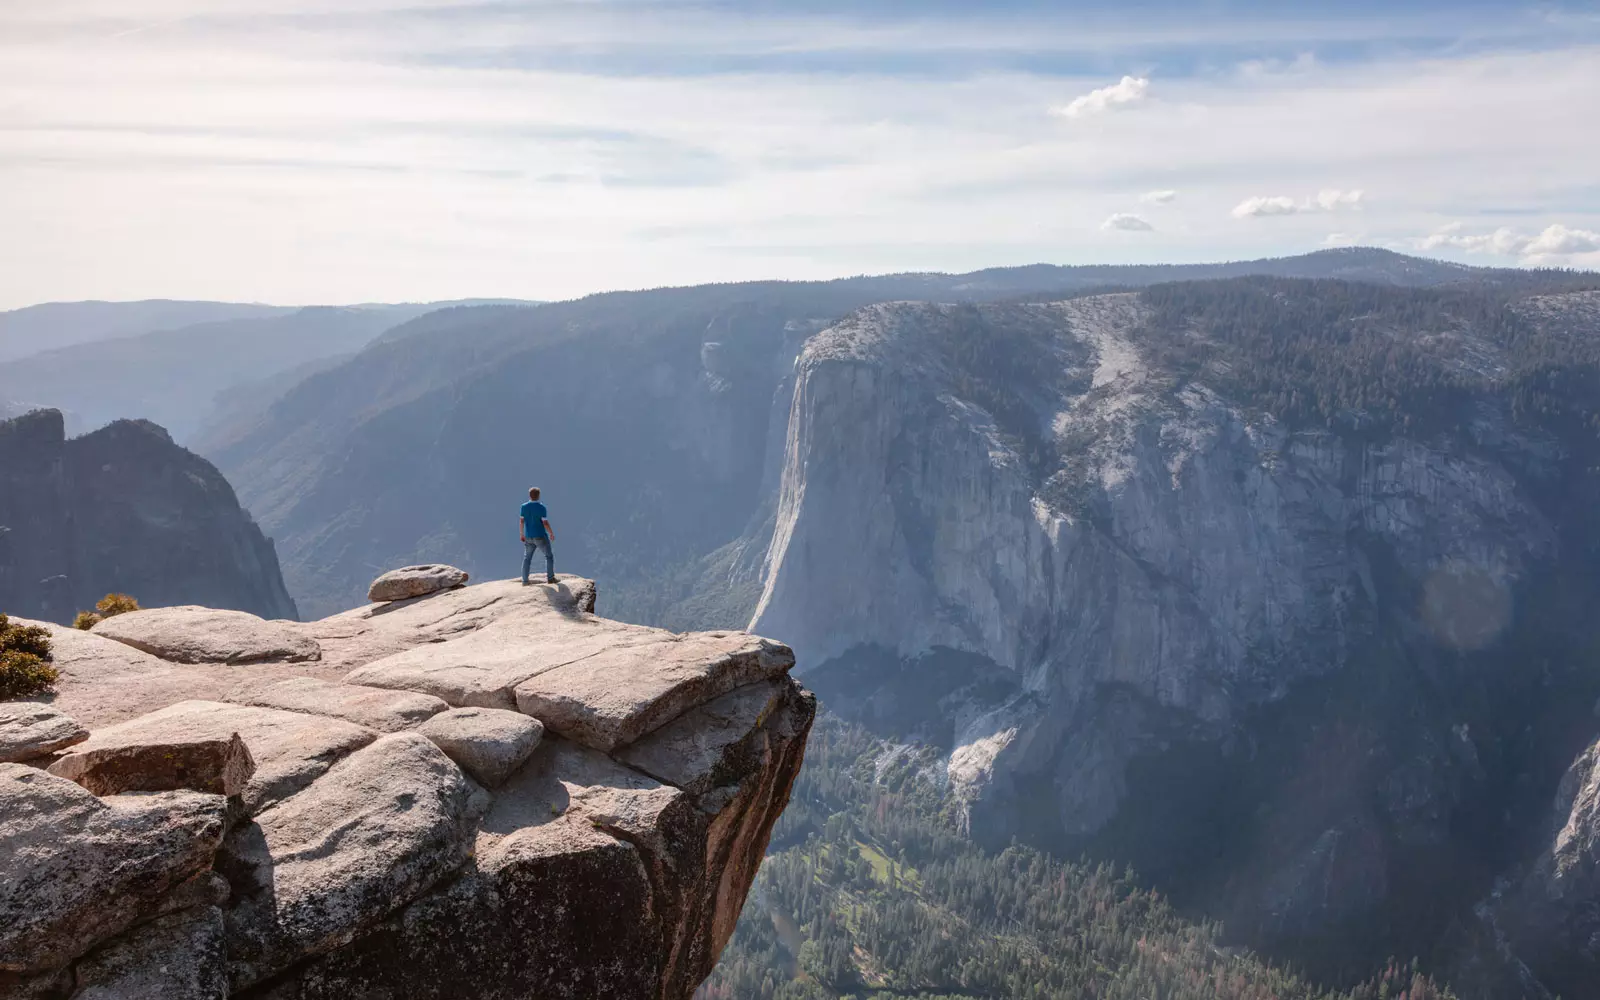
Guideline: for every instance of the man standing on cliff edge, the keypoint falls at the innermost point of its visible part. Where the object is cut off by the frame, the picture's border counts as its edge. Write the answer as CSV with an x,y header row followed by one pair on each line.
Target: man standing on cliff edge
x,y
536,535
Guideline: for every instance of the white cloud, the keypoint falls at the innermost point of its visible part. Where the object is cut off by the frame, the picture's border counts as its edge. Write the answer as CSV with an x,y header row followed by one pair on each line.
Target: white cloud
x,y
1128,223
1159,197
1333,201
1342,239
1553,245
1259,206
1128,90
1327,200
1559,240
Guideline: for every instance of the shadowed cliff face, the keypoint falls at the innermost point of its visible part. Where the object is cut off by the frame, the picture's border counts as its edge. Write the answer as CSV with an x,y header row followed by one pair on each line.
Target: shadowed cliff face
x,y
1320,681
123,509
484,792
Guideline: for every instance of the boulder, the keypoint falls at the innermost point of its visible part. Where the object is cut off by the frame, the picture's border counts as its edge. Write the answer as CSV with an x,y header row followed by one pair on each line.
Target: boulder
x,y
373,833
618,694
290,749
219,766
415,581
29,729
488,743
179,957
206,635
80,869
376,708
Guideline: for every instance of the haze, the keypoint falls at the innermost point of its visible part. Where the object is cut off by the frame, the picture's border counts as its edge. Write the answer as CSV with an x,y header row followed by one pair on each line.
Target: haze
x,y
354,150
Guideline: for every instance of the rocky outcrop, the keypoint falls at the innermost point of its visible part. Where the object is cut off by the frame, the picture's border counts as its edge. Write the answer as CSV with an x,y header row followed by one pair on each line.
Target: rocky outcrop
x,y
123,509
1549,918
206,635
591,835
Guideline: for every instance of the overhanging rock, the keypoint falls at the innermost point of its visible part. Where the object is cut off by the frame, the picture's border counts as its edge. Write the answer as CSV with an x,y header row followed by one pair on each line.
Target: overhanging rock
x,y
609,859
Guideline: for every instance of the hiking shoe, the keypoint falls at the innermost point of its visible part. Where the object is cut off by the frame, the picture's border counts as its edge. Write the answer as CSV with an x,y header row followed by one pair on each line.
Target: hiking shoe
x,y
550,579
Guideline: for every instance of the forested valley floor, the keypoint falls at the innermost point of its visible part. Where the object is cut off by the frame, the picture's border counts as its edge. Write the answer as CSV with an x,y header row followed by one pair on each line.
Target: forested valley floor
x,y
870,892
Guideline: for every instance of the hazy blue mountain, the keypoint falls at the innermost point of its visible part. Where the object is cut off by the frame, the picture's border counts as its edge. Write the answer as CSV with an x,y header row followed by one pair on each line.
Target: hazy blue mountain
x,y
173,377
62,324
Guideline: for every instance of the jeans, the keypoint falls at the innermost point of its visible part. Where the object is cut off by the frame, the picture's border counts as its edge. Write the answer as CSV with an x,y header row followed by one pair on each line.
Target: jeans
x,y
533,545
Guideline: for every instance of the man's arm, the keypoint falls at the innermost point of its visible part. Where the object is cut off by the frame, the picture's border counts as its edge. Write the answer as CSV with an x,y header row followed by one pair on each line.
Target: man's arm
x,y
549,532
522,530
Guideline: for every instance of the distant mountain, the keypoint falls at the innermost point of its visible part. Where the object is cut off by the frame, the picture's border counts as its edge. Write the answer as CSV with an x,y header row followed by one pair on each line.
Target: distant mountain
x,y
123,509
412,446
173,377
63,324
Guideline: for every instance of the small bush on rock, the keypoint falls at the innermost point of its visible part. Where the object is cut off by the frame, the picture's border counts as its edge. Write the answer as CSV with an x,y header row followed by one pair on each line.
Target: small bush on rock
x,y
108,606
112,605
24,660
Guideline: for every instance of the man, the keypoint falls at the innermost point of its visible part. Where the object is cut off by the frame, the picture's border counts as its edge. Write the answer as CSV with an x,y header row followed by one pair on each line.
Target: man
x,y
536,535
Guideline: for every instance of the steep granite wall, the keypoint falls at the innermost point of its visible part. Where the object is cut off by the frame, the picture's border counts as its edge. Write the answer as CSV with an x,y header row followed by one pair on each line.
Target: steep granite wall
x,y
484,792
123,509
1310,680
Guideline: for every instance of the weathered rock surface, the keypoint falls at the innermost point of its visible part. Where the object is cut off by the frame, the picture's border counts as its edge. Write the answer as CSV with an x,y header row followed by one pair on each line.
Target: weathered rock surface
x,y
217,766
290,749
415,581
376,708
178,957
424,852
488,743
191,634
79,869
378,829
29,730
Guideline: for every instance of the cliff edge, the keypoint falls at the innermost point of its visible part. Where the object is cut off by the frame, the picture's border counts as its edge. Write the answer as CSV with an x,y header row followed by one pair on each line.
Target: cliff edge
x,y
487,791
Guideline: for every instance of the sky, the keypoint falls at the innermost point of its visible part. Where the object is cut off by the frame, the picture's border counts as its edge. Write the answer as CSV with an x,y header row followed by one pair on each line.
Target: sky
x,y
332,151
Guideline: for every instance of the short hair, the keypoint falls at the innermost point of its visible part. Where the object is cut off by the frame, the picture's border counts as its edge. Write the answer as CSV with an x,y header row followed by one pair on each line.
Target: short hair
x,y
533,493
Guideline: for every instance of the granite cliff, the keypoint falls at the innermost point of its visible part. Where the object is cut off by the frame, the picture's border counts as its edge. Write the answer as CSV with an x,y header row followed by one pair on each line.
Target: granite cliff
x,y
1319,680
485,791
123,509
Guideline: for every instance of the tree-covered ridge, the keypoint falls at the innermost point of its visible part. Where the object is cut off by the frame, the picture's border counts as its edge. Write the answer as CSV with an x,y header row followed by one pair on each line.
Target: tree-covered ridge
x,y
872,894
1376,357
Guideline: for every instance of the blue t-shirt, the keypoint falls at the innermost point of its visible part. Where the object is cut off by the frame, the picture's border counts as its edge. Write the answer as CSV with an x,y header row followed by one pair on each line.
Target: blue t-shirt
x,y
533,515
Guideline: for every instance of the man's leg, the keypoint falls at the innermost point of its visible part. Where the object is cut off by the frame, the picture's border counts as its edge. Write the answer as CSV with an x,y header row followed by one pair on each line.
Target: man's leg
x,y
549,561
527,558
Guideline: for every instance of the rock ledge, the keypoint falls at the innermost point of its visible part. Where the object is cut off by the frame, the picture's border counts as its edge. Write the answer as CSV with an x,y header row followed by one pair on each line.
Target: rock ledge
x,y
489,792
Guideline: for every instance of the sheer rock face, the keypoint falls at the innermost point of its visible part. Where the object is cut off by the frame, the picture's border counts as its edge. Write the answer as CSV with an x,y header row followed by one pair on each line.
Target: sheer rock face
x,y
1072,566
609,859
123,509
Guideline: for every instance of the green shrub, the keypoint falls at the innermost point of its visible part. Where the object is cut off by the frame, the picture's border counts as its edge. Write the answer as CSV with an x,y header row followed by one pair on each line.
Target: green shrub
x,y
86,620
24,660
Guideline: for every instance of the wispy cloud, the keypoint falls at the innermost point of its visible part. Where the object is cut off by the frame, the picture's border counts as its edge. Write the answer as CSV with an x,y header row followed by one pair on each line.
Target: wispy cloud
x,y
1324,201
1127,223
347,150
1126,92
